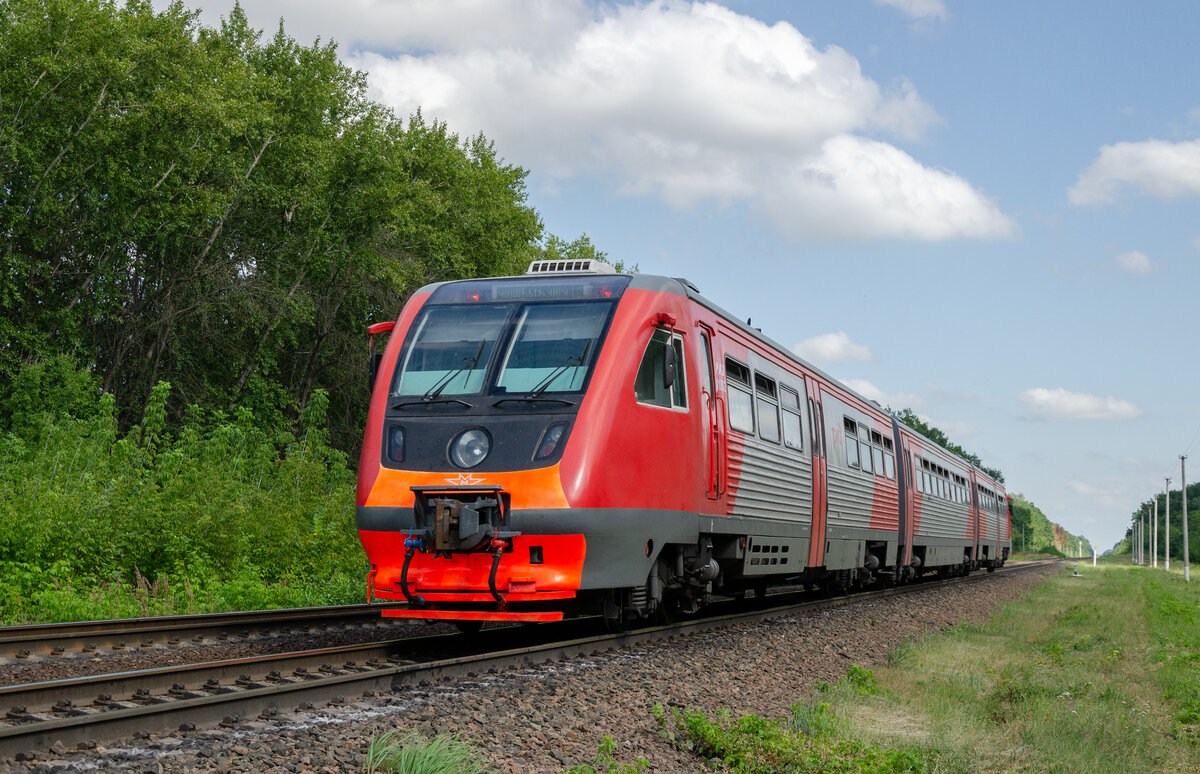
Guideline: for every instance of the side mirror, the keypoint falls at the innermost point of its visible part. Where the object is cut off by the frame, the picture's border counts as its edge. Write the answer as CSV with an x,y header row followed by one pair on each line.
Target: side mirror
x,y
668,364
376,359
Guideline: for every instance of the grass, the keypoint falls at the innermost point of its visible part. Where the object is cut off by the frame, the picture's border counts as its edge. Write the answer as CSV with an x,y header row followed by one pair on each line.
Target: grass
x,y
1093,674
392,753
1090,674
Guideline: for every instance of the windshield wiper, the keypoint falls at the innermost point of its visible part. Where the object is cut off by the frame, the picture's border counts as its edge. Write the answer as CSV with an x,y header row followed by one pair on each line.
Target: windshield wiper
x,y
432,402
573,360
535,401
468,364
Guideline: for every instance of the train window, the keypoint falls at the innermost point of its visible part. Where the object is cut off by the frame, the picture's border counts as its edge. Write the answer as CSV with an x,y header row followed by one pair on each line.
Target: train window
x,y
736,372
551,347
877,455
788,397
876,438
764,385
649,387
741,407
450,350
768,409
866,459
851,442
793,433
889,466
679,386
887,443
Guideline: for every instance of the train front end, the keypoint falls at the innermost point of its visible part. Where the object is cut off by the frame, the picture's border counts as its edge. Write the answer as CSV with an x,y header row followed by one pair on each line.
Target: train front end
x,y
460,491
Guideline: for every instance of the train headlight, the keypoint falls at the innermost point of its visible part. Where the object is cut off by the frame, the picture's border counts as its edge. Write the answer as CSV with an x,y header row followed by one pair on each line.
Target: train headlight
x,y
470,447
395,443
550,440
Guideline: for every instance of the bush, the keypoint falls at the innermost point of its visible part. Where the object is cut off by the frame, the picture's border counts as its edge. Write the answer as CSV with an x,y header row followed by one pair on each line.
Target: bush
x,y
218,513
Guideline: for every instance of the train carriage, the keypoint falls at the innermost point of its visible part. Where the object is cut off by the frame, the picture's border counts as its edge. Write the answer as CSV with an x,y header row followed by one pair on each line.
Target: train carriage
x,y
574,441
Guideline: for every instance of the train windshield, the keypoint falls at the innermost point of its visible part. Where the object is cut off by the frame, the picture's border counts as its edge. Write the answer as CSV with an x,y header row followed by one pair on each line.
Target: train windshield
x,y
506,343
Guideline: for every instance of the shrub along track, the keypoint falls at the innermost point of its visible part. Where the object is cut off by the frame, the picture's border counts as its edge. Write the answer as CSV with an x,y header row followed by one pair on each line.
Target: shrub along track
x,y
81,710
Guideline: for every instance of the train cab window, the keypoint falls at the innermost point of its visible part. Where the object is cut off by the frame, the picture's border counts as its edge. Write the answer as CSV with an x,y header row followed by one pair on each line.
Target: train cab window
x,y
741,400
768,408
851,442
793,433
650,385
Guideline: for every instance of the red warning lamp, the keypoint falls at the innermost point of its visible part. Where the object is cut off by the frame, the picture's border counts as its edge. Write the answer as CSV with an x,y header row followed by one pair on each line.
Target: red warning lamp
x,y
473,297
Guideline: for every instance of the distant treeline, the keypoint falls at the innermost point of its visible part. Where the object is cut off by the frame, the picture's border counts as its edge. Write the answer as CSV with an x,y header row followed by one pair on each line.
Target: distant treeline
x,y
1146,509
224,211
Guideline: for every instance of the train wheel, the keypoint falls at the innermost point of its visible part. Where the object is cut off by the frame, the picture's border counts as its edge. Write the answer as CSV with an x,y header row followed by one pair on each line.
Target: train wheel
x,y
615,620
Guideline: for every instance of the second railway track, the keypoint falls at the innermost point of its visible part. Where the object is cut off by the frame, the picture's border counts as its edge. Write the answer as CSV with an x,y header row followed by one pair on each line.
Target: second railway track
x,y
233,691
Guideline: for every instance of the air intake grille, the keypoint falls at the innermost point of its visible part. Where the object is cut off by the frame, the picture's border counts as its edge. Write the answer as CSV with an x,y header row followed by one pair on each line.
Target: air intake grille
x,y
570,267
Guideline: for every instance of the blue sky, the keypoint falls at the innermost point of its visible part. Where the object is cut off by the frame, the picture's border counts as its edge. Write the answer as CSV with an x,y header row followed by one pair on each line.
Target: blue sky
x,y
986,212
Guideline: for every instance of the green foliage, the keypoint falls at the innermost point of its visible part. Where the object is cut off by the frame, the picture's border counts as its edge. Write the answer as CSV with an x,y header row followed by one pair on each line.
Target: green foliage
x,y
391,753
755,745
222,211
218,514
605,761
1033,532
1144,511
910,418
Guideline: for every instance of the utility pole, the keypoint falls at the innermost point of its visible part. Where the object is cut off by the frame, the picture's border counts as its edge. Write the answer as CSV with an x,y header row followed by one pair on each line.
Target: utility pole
x,y
1187,560
1167,524
1142,539
1154,536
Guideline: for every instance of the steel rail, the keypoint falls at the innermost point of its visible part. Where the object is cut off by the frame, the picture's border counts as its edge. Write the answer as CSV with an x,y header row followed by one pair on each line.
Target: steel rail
x,y
262,689
56,639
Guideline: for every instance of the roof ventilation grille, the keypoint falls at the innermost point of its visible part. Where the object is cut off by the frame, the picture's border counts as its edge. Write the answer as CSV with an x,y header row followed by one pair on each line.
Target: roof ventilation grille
x,y
588,266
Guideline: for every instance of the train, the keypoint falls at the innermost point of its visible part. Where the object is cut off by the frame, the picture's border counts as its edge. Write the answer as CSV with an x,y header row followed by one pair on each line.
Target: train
x,y
576,441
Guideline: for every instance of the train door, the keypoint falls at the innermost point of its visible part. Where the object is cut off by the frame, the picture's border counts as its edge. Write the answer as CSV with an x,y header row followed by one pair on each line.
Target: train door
x,y
714,431
909,495
816,420
975,517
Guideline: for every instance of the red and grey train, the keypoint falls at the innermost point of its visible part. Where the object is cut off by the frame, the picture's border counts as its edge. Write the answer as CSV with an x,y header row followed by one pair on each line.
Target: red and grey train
x,y
576,441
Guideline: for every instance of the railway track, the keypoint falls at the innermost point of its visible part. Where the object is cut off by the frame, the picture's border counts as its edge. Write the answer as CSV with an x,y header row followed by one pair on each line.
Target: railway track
x,y
87,710
61,640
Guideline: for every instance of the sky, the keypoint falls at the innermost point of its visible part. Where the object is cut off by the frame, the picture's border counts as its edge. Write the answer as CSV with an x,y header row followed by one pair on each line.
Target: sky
x,y
986,212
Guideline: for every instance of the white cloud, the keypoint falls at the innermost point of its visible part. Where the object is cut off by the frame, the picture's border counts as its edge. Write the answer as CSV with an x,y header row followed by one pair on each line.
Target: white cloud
x,y
1156,168
858,189
833,348
690,102
955,431
896,401
918,9
1061,404
1135,262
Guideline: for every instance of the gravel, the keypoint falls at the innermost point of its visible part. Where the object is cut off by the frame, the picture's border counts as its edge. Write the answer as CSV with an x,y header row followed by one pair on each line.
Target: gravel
x,y
550,717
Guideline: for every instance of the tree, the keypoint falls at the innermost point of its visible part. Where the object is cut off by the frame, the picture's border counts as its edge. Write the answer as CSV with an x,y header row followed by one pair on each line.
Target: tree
x,y
222,211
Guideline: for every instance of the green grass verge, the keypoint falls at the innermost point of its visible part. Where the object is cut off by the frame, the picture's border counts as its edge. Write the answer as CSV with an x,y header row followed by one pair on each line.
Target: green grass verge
x,y
1097,673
